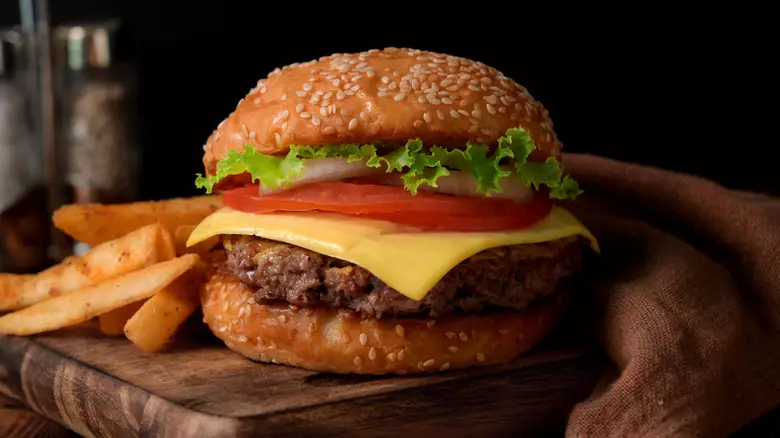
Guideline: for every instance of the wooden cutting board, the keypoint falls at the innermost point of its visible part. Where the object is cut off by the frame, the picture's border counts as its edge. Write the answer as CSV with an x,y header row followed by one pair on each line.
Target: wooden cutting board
x,y
105,387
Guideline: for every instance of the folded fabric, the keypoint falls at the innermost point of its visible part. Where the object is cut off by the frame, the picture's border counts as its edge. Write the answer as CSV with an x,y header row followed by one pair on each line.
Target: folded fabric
x,y
686,302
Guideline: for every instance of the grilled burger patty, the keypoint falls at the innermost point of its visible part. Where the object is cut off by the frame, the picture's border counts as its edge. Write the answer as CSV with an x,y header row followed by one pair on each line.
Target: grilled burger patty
x,y
510,277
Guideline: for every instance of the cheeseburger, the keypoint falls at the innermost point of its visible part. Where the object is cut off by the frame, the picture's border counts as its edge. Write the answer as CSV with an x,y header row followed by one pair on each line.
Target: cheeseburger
x,y
387,212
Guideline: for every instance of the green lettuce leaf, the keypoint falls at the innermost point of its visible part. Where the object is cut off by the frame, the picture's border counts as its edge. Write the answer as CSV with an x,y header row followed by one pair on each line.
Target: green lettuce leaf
x,y
417,164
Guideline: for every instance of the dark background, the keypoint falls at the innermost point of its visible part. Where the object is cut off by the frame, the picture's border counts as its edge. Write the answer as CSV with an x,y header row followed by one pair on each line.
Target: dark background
x,y
690,91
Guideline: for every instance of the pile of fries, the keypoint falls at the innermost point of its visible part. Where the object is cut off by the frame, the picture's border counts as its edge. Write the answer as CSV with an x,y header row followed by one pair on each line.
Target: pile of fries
x,y
139,280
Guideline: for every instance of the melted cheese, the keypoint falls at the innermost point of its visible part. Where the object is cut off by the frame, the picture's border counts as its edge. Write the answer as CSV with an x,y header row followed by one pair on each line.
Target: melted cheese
x,y
410,262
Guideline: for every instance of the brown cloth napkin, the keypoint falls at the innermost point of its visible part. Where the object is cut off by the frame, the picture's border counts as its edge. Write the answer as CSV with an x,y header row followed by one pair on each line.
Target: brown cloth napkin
x,y
687,302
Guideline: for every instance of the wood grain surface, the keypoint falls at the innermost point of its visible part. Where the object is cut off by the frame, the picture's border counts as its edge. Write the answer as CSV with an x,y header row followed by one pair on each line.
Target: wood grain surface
x,y
105,387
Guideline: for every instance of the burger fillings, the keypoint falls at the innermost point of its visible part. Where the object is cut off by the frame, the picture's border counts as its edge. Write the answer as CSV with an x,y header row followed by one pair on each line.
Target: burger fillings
x,y
388,212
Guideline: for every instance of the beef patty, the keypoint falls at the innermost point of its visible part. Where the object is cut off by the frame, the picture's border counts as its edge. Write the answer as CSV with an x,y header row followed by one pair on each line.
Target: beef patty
x,y
510,277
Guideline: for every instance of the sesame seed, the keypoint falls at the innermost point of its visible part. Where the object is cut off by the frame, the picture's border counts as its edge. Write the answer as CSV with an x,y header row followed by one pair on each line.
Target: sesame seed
x,y
305,115
429,362
450,335
370,73
454,114
445,366
307,86
242,338
474,88
353,124
491,109
447,82
363,339
399,97
336,82
463,112
446,100
257,101
391,357
453,88
480,357
340,95
400,330
463,337
324,111
385,80
349,92
328,130
486,131
282,318
476,114
284,126
491,99
252,136
434,101
453,349
502,109
401,355
244,129
392,85
278,138
299,108
314,99
418,123
363,116
503,331
431,323
426,116
420,365
315,119
301,93
372,353
357,361
421,99
285,114
440,114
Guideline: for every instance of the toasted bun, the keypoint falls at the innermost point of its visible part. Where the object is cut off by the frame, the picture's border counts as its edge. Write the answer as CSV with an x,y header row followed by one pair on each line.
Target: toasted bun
x,y
390,95
337,341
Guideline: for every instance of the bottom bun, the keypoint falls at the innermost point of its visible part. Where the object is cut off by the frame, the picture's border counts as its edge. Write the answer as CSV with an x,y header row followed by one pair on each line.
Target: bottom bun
x,y
339,341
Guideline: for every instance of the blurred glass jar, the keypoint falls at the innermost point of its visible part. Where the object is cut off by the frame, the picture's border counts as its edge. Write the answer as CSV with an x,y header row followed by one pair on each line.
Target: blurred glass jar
x,y
98,128
24,219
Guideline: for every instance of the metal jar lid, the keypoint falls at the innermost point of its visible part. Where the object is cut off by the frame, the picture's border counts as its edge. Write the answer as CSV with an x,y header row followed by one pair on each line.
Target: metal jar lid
x,y
86,45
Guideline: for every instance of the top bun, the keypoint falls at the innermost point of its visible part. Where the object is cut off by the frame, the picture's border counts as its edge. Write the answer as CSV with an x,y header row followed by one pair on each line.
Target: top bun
x,y
388,95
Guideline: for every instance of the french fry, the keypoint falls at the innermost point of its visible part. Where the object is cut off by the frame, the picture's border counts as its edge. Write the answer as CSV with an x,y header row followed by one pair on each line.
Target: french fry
x,y
97,223
84,304
10,289
140,248
158,320
113,322
181,235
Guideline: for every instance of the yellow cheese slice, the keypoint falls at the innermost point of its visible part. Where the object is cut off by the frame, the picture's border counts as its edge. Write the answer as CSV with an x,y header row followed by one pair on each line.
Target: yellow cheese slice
x,y
409,262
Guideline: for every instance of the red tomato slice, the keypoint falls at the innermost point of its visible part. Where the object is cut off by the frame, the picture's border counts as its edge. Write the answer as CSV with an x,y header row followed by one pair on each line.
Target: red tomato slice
x,y
428,211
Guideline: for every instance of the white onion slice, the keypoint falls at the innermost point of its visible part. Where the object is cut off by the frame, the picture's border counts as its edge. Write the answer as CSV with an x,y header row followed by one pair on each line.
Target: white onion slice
x,y
461,183
327,169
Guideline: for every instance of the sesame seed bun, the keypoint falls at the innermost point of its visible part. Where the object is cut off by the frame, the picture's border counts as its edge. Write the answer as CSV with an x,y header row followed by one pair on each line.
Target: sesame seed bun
x,y
338,341
388,95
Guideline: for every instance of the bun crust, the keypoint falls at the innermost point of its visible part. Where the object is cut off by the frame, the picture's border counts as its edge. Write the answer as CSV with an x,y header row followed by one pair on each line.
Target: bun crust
x,y
337,341
387,95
